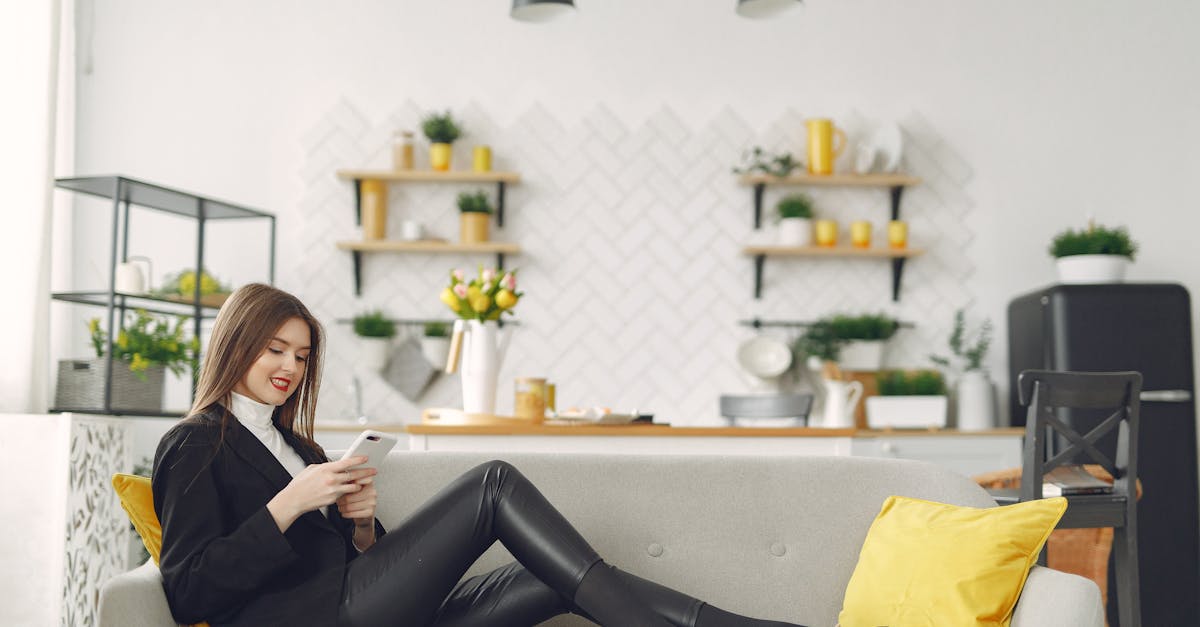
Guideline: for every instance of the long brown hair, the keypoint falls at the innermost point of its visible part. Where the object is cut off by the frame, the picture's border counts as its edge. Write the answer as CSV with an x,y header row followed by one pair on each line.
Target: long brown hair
x,y
243,329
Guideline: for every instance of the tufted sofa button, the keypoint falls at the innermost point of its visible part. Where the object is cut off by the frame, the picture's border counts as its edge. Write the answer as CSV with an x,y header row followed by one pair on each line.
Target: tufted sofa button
x,y
655,549
778,549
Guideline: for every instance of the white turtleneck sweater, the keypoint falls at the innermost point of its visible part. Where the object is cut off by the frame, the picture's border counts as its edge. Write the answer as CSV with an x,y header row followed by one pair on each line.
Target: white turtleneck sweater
x,y
256,417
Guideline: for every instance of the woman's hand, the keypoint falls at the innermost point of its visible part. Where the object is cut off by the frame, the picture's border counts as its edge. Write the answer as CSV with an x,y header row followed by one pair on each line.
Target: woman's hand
x,y
360,507
316,486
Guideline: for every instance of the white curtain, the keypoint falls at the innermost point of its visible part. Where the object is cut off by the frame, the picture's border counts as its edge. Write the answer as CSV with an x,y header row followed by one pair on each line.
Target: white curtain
x,y
29,62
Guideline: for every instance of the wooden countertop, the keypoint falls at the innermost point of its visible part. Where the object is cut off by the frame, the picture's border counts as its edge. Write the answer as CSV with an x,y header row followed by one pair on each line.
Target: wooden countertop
x,y
658,430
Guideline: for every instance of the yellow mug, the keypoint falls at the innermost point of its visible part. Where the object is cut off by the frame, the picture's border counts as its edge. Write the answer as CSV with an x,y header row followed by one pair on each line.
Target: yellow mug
x,y
482,159
826,232
822,149
860,234
897,234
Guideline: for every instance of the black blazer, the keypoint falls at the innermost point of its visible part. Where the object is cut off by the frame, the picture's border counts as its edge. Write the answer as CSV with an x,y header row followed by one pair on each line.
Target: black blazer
x,y
223,558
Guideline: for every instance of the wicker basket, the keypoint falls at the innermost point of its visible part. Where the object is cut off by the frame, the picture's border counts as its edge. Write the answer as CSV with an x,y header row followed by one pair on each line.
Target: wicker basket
x,y
81,386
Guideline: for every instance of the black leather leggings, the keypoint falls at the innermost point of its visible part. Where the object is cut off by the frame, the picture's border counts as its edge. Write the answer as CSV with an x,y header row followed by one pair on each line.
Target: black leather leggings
x,y
411,575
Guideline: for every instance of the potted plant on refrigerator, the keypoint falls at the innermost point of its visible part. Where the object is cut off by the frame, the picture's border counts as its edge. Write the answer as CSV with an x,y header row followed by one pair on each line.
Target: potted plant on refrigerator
x,y
908,399
475,211
974,396
795,220
375,332
435,343
1097,254
441,130
145,348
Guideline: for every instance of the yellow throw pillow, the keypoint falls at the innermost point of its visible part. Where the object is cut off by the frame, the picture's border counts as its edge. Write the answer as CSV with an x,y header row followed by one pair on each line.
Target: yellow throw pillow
x,y
926,563
138,502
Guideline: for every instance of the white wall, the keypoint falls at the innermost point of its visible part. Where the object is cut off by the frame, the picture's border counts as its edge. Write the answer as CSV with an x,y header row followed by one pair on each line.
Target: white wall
x,y
1061,109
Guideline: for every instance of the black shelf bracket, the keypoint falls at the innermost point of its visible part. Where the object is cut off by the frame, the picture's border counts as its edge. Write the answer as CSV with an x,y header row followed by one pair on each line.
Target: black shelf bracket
x,y
357,259
500,204
499,261
759,261
759,188
897,273
357,202
897,192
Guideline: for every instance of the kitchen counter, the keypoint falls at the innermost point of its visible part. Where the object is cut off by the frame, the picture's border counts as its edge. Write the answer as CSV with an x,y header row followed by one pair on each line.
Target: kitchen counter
x,y
664,430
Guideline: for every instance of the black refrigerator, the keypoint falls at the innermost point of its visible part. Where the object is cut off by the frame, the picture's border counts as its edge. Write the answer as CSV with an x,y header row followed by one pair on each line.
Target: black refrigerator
x,y
1147,328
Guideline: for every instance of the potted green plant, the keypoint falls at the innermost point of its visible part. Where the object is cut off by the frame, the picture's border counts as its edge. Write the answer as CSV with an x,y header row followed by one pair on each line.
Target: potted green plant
x,y
145,348
1097,254
435,342
761,161
375,332
862,339
441,129
795,220
474,212
181,286
908,399
974,396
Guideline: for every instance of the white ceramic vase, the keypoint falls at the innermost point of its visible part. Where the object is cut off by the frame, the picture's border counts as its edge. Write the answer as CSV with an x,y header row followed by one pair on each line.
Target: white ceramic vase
x,y
375,352
975,402
1091,268
481,357
795,232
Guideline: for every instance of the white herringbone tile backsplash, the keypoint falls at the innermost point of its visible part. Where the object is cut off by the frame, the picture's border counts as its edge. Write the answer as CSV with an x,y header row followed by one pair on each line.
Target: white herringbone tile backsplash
x,y
632,268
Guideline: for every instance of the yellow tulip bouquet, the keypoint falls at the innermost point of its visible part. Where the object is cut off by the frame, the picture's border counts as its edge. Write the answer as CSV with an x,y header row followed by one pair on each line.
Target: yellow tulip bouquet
x,y
487,297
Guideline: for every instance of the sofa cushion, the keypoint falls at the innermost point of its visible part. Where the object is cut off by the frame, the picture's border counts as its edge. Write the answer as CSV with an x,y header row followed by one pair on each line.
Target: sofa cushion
x,y
138,503
926,563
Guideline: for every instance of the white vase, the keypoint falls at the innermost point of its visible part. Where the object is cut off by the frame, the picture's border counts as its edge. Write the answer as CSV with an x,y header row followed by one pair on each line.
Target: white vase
x,y
795,232
1091,268
435,350
906,412
375,352
480,365
861,355
975,402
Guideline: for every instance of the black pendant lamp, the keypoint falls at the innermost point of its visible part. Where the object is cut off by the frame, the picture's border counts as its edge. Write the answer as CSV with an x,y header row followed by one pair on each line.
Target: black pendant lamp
x,y
764,8
540,10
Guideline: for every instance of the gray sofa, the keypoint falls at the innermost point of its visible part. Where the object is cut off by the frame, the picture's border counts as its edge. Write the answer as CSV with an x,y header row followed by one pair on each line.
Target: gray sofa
x,y
773,537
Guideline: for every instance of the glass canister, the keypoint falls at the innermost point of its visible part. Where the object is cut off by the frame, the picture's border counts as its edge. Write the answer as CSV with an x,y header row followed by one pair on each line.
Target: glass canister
x,y
402,150
530,400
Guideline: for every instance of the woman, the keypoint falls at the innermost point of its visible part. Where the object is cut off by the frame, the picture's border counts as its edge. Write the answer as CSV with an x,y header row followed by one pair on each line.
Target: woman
x,y
260,528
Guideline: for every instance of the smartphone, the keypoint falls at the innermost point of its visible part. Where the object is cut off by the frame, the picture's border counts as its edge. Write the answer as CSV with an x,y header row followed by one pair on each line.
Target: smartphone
x,y
374,444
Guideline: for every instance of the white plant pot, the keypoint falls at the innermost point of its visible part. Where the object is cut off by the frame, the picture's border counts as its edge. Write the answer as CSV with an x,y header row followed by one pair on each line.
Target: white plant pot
x,y
1092,268
375,352
906,412
862,355
975,402
435,350
795,232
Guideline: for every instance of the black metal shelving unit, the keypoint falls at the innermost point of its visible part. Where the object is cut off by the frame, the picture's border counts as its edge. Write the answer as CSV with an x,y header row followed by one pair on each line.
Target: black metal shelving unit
x,y
125,192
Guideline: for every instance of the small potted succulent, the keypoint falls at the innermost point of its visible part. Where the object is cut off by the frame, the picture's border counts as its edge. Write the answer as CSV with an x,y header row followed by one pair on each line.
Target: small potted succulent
x,y
475,211
795,220
763,162
974,396
908,399
375,332
1097,254
435,342
441,130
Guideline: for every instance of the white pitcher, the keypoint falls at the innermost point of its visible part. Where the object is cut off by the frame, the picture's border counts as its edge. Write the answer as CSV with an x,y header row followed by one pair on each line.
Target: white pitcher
x,y
841,399
482,347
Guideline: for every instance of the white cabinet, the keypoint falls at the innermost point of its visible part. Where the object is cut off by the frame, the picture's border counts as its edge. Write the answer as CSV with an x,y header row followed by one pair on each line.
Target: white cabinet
x,y
968,454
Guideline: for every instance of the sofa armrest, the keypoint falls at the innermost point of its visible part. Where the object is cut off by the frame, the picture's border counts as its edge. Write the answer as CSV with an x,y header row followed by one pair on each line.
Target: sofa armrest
x,y
135,599
1057,599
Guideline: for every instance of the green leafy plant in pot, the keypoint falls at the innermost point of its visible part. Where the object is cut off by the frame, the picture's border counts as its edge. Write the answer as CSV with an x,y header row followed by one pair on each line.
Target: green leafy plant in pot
x,y
795,220
474,214
375,332
763,162
974,396
1097,254
908,399
864,338
435,342
441,129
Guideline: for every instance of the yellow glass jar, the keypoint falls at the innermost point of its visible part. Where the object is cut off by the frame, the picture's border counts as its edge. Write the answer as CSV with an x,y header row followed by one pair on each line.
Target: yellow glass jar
x,y
898,234
402,151
826,232
860,234
481,159
529,402
374,209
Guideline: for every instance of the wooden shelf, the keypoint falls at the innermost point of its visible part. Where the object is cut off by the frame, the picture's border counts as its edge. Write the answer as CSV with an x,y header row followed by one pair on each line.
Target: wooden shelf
x,y
832,251
832,180
428,246
430,176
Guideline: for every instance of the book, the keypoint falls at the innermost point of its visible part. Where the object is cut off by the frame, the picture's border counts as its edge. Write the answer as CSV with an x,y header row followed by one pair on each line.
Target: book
x,y
1072,480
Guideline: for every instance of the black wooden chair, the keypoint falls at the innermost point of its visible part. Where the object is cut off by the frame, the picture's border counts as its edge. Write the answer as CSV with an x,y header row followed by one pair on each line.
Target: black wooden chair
x,y
1052,440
